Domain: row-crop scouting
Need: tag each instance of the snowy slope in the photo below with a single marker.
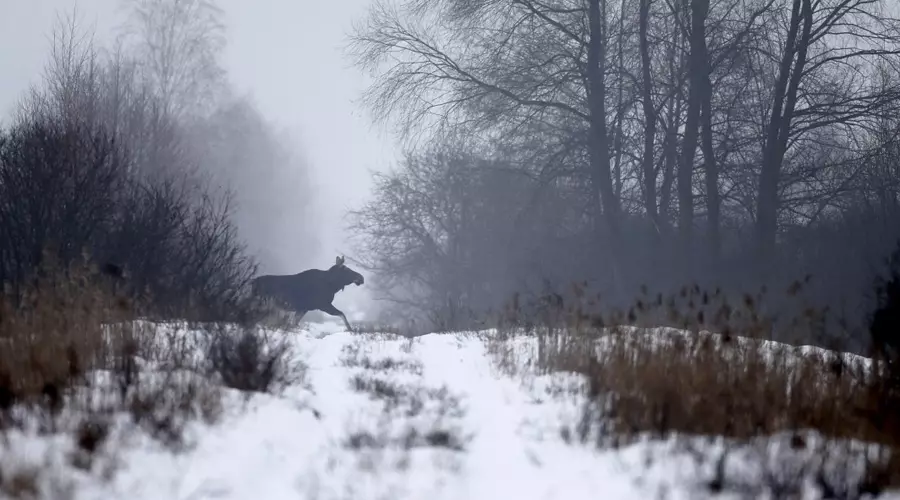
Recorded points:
(384, 417)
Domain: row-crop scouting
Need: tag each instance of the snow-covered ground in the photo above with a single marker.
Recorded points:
(384, 417)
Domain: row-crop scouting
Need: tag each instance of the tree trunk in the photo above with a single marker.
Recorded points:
(699, 13)
(621, 107)
(688, 152)
(783, 103)
(606, 205)
(670, 142)
(647, 162)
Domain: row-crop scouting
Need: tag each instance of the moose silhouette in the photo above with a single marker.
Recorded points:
(308, 290)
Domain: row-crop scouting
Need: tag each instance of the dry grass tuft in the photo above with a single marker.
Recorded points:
(662, 383)
(252, 359)
(74, 356)
(21, 483)
(55, 331)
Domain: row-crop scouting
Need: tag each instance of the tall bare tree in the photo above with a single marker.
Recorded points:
(178, 44)
(708, 127)
(828, 57)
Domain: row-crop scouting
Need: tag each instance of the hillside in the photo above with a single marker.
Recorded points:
(378, 416)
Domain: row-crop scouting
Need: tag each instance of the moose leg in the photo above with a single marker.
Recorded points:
(330, 309)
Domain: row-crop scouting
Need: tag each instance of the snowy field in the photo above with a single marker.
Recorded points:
(379, 416)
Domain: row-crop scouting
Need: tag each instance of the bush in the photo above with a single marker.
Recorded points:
(55, 332)
(72, 357)
(251, 359)
(104, 220)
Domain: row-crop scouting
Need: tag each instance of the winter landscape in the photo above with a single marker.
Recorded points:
(454, 415)
(407, 249)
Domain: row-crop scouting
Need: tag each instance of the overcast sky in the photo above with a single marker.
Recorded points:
(287, 53)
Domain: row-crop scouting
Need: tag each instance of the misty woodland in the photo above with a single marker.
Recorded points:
(631, 249)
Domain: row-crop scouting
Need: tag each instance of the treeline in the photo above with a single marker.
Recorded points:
(734, 144)
(125, 155)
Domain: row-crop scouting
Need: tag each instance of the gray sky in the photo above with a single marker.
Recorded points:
(287, 54)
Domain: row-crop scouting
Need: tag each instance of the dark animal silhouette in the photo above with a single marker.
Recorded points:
(309, 290)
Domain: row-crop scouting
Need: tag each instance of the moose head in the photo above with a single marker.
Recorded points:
(344, 275)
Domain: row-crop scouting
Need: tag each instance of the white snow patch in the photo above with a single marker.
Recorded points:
(382, 416)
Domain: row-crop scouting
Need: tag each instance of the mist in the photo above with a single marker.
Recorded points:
(644, 164)
(283, 133)
(605, 150)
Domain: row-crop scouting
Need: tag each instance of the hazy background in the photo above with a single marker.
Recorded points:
(646, 176)
(287, 56)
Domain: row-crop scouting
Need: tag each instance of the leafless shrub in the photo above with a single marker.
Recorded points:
(95, 163)
(95, 172)
(252, 359)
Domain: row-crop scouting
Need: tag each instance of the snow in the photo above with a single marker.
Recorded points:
(435, 418)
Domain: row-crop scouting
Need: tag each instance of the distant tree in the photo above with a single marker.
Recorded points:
(74, 179)
(177, 45)
(722, 142)
(450, 236)
(501, 69)
(223, 139)
(830, 55)
(273, 198)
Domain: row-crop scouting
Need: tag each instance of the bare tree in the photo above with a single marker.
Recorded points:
(72, 182)
(648, 163)
(177, 44)
(505, 66)
(827, 60)
(274, 201)
(221, 139)
(606, 105)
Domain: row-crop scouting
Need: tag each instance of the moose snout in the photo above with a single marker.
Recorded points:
(358, 281)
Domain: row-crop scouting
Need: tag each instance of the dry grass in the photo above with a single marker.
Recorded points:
(74, 356)
(270, 315)
(662, 383)
(252, 359)
(65, 325)
(72, 352)
(412, 402)
(55, 334)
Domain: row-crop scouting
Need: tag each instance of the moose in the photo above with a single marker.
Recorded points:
(308, 290)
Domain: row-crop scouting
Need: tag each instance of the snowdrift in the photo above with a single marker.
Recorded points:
(380, 416)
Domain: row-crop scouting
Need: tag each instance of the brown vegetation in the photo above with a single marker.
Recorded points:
(75, 355)
(70, 328)
(112, 241)
(662, 382)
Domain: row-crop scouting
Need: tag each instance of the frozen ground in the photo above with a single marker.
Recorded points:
(384, 417)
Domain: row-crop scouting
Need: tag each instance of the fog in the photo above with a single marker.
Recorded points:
(286, 57)
(634, 159)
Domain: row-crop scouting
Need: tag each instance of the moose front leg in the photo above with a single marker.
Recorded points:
(330, 309)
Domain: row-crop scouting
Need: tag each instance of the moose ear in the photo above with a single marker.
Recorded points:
(339, 261)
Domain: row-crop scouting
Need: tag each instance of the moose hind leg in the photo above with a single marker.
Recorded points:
(330, 309)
